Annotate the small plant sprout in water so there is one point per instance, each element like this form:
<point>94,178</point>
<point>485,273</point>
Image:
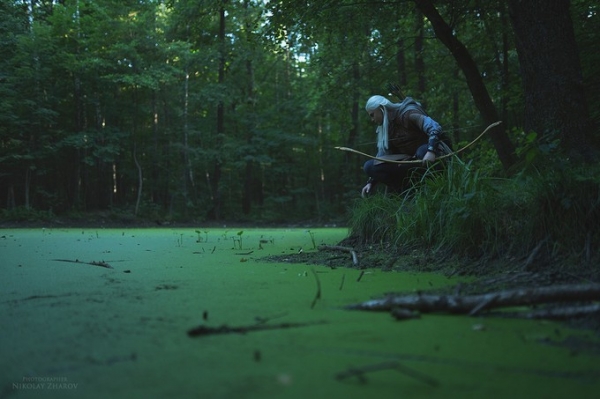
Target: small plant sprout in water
<point>312,238</point>
<point>238,239</point>
<point>263,240</point>
<point>224,235</point>
<point>199,236</point>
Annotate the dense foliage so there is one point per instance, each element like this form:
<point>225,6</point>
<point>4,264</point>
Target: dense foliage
<point>230,110</point>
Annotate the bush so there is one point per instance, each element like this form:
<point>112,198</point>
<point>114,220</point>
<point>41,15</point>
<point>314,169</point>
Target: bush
<point>24,214</point>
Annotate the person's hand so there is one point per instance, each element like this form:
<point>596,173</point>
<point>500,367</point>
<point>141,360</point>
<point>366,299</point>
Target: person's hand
<point>366,190</point>
<point>429,157</point>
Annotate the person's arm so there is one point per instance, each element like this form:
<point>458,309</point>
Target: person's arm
<point>431,128</point>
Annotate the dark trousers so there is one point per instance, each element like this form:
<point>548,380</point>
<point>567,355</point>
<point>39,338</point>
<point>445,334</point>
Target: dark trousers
<point>396,176</point>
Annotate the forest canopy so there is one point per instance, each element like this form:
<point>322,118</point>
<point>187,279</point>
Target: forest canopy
<point>231,110</point>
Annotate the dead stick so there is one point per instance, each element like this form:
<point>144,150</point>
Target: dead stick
<point>93,263</point>
<point>362,273</point>
<point>318,294</point>
<point>224,329</point>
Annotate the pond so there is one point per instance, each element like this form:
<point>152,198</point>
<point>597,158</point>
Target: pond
<point>97,313</point>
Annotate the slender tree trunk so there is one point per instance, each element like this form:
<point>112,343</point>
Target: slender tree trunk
<point>140,180</point>
<point>354,112</point>
<point>252,184</point>
<point>187,168</point>
<point>249,186</point>
<point>505,81</point>
<point>401,64</point>
<point>27,186</point>
<point>455,112</point>
<point>481,97</point>
<point>555,103</point>
<point>217,168</point>
<point>419,62</point>
<point>135,158</point>
<point>10,198</point>
<point>154,171</point>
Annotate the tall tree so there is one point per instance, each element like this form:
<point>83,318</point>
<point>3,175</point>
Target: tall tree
<point>555,102</point>
<point>483,101</point>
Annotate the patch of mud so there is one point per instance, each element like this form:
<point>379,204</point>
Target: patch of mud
<point>483,275</point>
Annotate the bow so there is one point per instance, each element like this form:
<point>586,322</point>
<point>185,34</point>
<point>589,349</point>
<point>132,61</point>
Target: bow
<point>418,161</point>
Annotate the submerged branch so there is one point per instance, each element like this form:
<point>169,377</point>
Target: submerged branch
<point>359,372</point>
<point>224,329</point>
<point>93,263</point>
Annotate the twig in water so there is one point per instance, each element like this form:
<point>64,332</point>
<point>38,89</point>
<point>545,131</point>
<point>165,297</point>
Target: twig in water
<point>263,320</point>
<point>362,273</point>
<point>93,263</point>
<point>318,294</point>
<point>342,283</point>
<point>360,372</point>
<point>224,329</point>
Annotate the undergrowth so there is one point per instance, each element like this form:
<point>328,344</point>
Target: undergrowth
<point>549,210</point>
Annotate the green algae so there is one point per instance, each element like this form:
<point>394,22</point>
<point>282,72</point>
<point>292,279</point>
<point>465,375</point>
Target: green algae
<point>122,332</point>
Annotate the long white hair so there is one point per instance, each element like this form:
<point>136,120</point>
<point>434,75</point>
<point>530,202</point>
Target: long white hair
<point>387,107</point>
<point>380,102</point>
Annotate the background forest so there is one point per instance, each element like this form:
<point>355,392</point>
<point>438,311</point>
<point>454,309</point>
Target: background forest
<point>207,110</point>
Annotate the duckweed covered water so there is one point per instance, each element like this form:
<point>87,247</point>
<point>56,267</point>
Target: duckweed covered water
<point>80,330</point>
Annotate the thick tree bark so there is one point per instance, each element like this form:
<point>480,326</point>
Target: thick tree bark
<point>483,101</point>
<point>555,103</point>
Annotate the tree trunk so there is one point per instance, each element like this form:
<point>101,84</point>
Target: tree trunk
<point>215,213</point>
<point>401,64</point>
<point>419,62</point>
<point>252,185</point>
<point>249,187</point>
<point>555,103</point>
<point>481,97</point>
<point>140,180</point>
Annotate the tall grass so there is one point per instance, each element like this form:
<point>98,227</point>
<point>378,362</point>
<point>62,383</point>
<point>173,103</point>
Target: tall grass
<point>373,219</point>
<point>553,211</point>
<point>451,209</point>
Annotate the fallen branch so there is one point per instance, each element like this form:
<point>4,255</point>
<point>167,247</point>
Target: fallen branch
<point>224,329</point>
<point>93,263</point>
<point>473,304</point>
<point>318,294</point>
